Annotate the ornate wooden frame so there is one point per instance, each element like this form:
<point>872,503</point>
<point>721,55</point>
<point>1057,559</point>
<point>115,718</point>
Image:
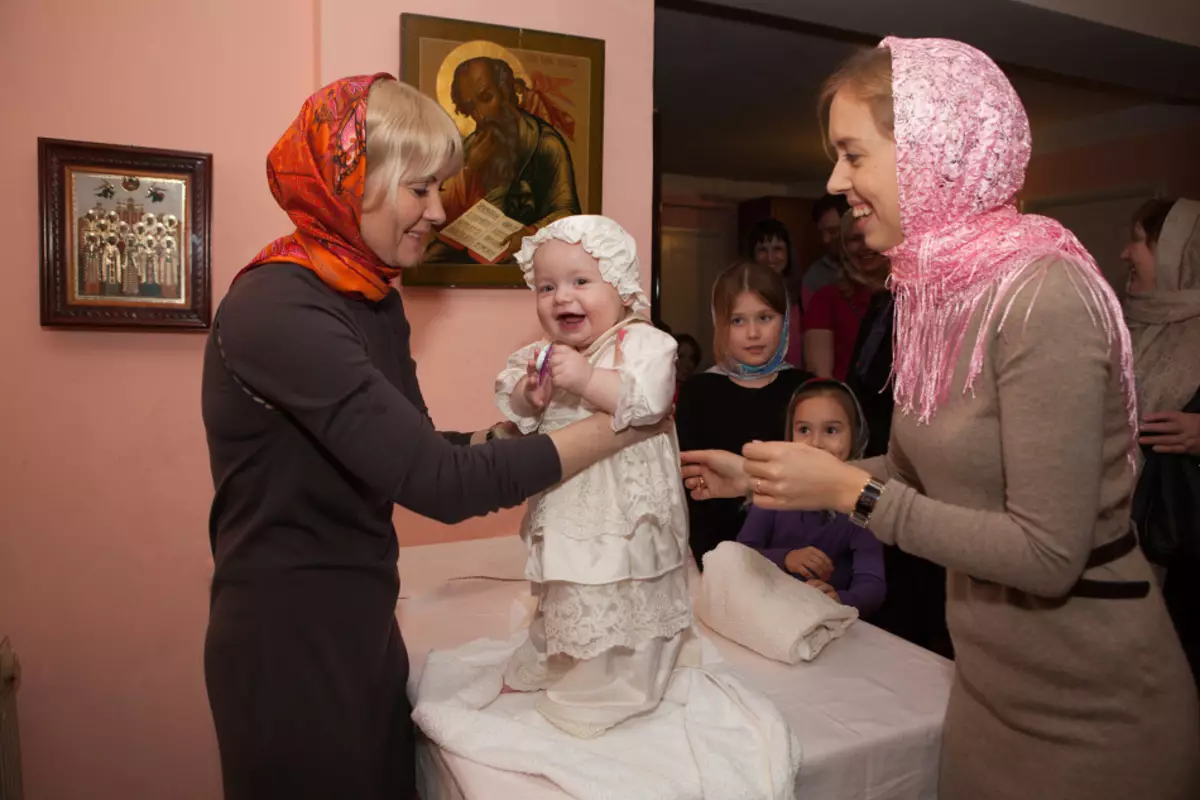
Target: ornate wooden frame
<point>416,27</point>
<point>62,304</point>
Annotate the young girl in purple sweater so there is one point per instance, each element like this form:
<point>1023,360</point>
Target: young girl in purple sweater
<point>823,548</point>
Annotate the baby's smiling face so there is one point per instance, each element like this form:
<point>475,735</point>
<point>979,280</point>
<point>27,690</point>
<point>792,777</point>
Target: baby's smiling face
<point>574,302</point>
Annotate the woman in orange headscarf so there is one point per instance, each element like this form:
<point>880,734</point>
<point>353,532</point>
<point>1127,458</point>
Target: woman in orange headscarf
<point>316,427</point>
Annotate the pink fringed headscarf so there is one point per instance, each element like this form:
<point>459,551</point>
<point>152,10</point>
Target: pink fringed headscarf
<point>962,146</point>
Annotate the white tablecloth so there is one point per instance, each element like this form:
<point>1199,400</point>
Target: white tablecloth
<point>868,711</point>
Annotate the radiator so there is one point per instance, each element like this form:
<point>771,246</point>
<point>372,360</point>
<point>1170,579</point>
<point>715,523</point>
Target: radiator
<point>10,744</point>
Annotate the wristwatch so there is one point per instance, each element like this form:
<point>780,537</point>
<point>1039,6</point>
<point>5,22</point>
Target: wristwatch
<point>865,506</point>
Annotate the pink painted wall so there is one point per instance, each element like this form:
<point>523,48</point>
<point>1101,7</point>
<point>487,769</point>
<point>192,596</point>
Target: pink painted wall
<point>104,561</point>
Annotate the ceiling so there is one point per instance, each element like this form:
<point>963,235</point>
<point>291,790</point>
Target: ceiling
<point>746,108</point>
<point>1175,20</point>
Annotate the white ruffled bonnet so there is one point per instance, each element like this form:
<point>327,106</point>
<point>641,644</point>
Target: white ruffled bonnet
<point>605,241</point>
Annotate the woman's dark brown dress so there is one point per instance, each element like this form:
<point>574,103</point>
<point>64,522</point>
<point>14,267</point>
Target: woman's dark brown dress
<point>316,427</point>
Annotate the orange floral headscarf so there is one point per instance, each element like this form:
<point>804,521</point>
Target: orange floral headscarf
<point>317,170</point>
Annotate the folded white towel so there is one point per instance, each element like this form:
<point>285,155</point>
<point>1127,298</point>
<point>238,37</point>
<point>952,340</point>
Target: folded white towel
<point>747,598</point>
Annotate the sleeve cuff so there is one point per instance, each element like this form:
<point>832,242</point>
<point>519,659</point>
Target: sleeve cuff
<point>633,407</point>
<point>887,511</point>
<point>526,425</point>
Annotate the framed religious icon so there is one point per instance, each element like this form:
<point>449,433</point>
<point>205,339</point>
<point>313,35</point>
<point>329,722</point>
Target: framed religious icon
<point>125,236</point>
<point>530,108</point>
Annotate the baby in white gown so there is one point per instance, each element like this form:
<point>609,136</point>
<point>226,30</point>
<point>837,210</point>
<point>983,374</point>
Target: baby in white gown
<point>607,548</point>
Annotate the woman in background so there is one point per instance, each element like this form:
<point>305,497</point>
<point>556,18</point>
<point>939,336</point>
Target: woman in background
<point>771,246</point>
<point>836,311</point>
<point>1162,308</point>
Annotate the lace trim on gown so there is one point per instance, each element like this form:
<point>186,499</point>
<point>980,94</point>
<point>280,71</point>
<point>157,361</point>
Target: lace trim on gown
<point>583,621</point>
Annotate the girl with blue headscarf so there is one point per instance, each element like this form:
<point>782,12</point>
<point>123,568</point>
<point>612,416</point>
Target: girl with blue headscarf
<point>745,396</point>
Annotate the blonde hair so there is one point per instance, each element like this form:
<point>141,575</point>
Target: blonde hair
<point>867,75</point>
<point>409,137</point>
<point>743,276</point>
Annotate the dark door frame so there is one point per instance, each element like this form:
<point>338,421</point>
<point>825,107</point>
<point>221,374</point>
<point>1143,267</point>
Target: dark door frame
<point>656,221</point>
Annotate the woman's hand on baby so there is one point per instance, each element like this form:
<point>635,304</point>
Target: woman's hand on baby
<point>504,430</point>
<point>809,562</point>
<point>826,588</point>
<point>569,369</point>
<point>537,390</point>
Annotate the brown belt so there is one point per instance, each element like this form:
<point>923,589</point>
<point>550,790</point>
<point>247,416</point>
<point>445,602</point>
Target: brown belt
<point>1111,590</point>
<point>1106,590</point>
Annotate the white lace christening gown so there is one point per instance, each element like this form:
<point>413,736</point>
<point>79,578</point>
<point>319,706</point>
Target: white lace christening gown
<point>607,549</point>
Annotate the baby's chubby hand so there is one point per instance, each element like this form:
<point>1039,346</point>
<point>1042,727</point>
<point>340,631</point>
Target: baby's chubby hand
<point>537,389</point>
<point>568,369</point>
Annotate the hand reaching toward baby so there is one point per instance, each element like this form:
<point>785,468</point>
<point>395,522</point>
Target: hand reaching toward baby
<point>569,370</point>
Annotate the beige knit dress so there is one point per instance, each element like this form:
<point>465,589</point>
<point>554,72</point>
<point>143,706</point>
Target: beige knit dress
<point>1056,697</point>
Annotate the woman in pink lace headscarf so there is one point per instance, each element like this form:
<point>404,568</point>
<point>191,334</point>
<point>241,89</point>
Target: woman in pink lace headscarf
<point>1011,459</point>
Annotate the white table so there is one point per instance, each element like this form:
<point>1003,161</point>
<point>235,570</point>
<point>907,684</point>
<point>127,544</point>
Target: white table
<point>868,711</point>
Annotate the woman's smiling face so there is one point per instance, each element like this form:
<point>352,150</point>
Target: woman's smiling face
<point>865,171</point>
